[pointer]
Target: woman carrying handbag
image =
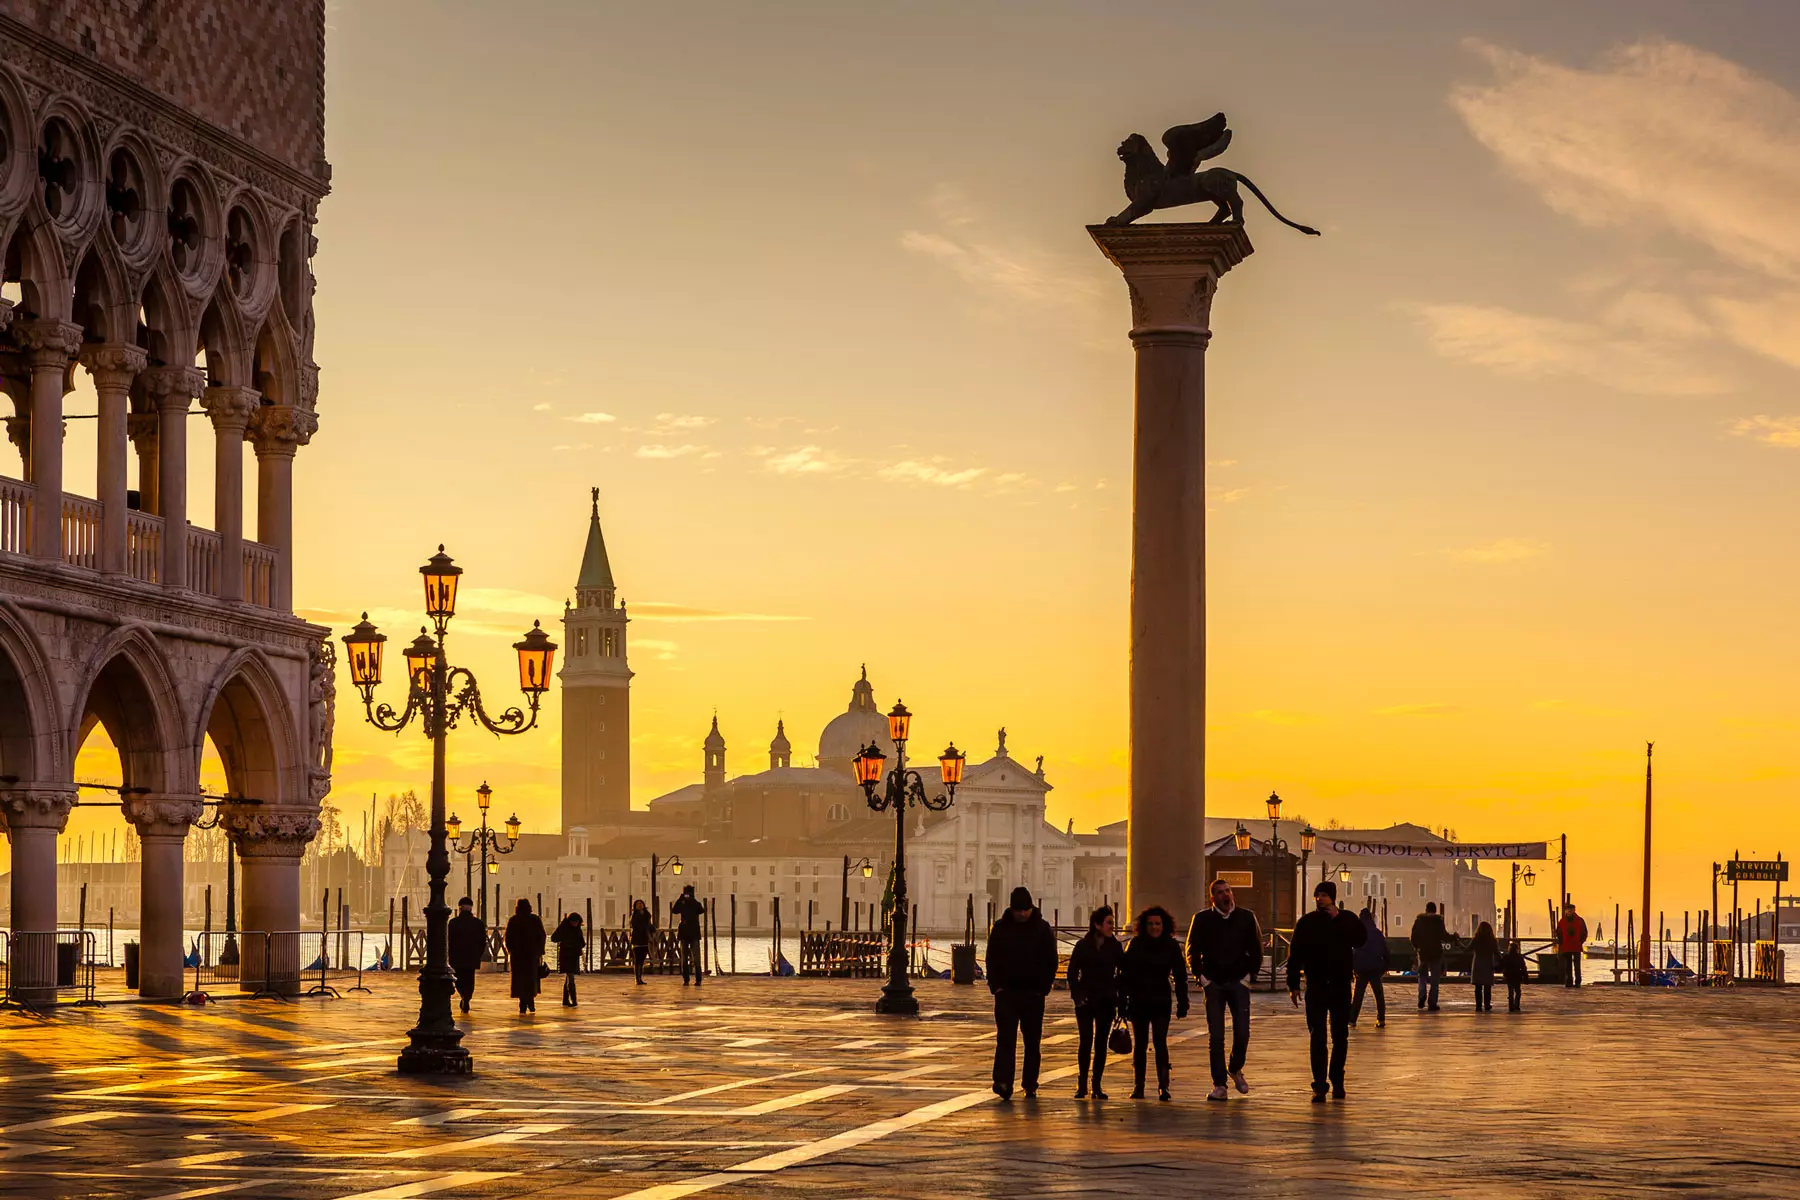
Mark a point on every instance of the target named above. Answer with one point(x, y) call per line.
point(525, 955)
point(1094, 967)
point(569, 945)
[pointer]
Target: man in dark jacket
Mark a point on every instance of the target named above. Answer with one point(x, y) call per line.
point(688, 911)
point(1224, 944)
point(468, 941)
point(1021, 966)
point(1371, 966)
point(1428, 939)
point(1324, 951)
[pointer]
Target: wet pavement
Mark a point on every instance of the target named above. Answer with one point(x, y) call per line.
point(757, 1087)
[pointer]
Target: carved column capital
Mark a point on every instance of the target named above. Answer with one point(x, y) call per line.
point(113, 364)
point(162, 814)
point(36, 806)
point(18, 432)
point(173, 387)
point(230, 407)
point(1172, 271)
point(281, 429)
point(266, 832)
point(6, 314)
point(49, 343)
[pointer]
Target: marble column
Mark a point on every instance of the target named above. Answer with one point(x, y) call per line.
point(230, 409)
point(269, 843)
point(35, 815)
point(162, 824)
point(277, 430)
point(142, 428)
point(171, 389)
point(113, 368)
point(1171, 272)
point(48, 345)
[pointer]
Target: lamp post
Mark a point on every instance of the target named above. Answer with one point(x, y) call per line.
point(904, 789)
point(1309, 837)
point(1277, 847)
point(483, 839)
point(1512, 912)
point(673, 866)
point(434, 695)
point(868, 869)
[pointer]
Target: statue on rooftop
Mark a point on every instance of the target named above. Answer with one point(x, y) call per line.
point(1150, 184)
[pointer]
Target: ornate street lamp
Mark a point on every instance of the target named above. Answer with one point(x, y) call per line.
point(484, 840)
point(1512, 912)
point(1277, 847)
point(673, 866)
point(1309, 837)
point(904, 789)
point(868, 870)
point(435, 696)
point(1242, 838)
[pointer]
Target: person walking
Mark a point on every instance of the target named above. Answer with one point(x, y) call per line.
point(1571, 941)
point(1428, 940)
point(1155, 978)
point(1224, 946)
point(1485, 951)
point(640, 938)
point(1370, 963)
point(1094, 967)
point(1021, 968)
point(467, 943)
point(525, 955)
point(1323, 952)
point(687, 911)
point(1512, 969)
point(569, 945)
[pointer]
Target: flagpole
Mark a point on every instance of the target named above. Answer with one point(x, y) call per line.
point(1644, 927)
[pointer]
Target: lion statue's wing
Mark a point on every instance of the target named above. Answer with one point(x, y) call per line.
point(1191, 145)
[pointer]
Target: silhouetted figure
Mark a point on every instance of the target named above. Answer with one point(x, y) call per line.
point(1486, 953)
point(1021, 967)
point(1155, 978)
point(1094, 968)
point(1224, 946)
point(1512, 969)
point(688, 910)
point(1571, 940)
point(467, 942)
point(1324, 952)
point(525, 955)
point(640, 938)
point(1371, 963)
point(1428, 939)
point(570, 942)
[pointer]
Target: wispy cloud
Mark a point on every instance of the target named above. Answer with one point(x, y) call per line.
point(932, 472)
point(545, 407)
point(1520, 344)
point(1500, 550)
point(592, 418)
point(1771, 431)
point(658, 450)
point(999, 264)
point(805, 460)
point(680, 421)
point(1418, 710)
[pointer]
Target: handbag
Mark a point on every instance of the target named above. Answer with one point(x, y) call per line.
point(543, 969)
point(1119, 1040)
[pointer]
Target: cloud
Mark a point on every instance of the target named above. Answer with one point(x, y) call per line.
point(1418, 710)
point(653, 610)
point(545, 407)
point(914, 471)
point(1527, 346)
point(1500, 550)
point(677, 421)
point(656, 450)
point(1000, 264)
point(1769, 325)
point(805, 460)
point(592, 418)
point(1770, 431)
point(572, 446)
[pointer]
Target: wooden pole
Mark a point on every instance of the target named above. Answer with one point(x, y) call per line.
point(1644, 944)
point(734, 933)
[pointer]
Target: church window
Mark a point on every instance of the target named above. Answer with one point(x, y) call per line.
point(581, 641)
point(602, 756)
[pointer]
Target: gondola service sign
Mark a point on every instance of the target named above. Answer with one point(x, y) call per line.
point(1435, 851)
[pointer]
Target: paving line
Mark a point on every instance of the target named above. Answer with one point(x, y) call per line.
point(749, 1041)
point(26, 1148)
point(59, 1122)
point(215, 1190)
point(280, 1110)
point(455, 1114)
point(421, 1187)
point(793, 1101)
point(147, 1085)
point(516, 1134)
point(847, 1140)
point(343, 1062)
point(199, 1160)
point(899, 1076)
point(726, 1087)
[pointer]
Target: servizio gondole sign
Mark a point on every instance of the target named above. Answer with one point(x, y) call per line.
point(1435, 851)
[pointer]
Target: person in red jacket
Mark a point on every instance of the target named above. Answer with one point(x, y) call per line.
point(1571, 937)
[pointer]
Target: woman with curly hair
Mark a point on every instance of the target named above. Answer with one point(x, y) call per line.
point(1155, 980)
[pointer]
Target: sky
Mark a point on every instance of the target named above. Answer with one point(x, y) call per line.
point(1501, 468)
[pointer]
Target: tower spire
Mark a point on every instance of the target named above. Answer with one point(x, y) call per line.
point(596, 570)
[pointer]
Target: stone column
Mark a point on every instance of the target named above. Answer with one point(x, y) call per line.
point(230, 409)
point(1172, 272)
point(142, 428)
point(35, 815)
point(277, 430)
point(269, 843)
point(171, 389)
point(162, 824)
point(113, 368)
point(49, 346)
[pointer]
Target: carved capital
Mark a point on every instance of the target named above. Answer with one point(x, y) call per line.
point(264, 832)
point(230, 407)
point(18, 432)
point(6, 314)
point(143, 427)
point(173, 387)
point(114, 364)
point(34, 806)
point(50, 344)
point(1172, 271)
point(281, 428)
point(162, 814)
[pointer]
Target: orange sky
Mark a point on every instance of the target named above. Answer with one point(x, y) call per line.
point(1503, 465)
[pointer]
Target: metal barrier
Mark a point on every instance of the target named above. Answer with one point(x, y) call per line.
point(350, 948)
point(40, 966)
point(855, 955)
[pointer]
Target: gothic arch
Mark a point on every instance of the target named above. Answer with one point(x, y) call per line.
point(28, 724)
point(166, 330)
point(126, 686)
point(99, 305)
point(274, 372)
point(34, 259)
point(226, 345)
point(247, 715)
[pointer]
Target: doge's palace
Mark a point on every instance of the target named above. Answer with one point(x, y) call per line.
point(160, 169)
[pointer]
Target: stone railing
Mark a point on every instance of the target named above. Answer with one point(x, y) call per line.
point(15, 516)
point(143, 546)
point(81, 532)
point(203, 561)
point(259, 573)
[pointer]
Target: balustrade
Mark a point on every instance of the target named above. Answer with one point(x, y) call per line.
point(203, 561)
point(81, 531)
point(143, 546)
point(15, 516)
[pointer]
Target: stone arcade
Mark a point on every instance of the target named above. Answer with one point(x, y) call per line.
point(158, 184)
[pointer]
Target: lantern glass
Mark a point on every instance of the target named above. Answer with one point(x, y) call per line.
point(493, 868)
point(453, 827)
point(537, 654)
point(1274, 807)
point(675, 865)
point(1343, 874)
point(868, 868)
point(484, 796)
point(440, 586)
point(363, 647)
point(512, 828)
point(868, 766)
point(420, 656)
point(1242, 837)
point(950, 762)
point(1309, 837)
point(899, 723)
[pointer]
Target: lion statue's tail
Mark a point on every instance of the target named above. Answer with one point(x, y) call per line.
point(1273, 211)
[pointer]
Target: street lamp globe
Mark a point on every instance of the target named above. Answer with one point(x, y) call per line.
point(440, 586)
point(537, 653)
point(675, 865)
point(1242, 837)
point(363, 648)
point(899, 723)
point(1344, 874)
point(868, 868)
point(419, 657)
point(1274, 807)
point(1530, 877)
point(484, 795)
point(1309, 837)
point(512, 828)
point(950, 763)
point(868, 767)
point(453, 827)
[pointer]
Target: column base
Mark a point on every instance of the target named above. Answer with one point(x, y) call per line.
point(432, 1054)
point(898, 1001)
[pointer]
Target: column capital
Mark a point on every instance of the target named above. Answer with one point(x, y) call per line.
point(173, 387)
point(114, 363)
point(1172, 270)
point(281, 429)
point(37, 806)
point(141, 425)
point(18, 432)
point(230, 406)
point(51, 343)
point(268, 832)
point(162, 813)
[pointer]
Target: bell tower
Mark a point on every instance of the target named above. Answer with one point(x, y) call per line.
point(596, 692)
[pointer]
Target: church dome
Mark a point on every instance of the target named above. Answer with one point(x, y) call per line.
point(846, 734)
